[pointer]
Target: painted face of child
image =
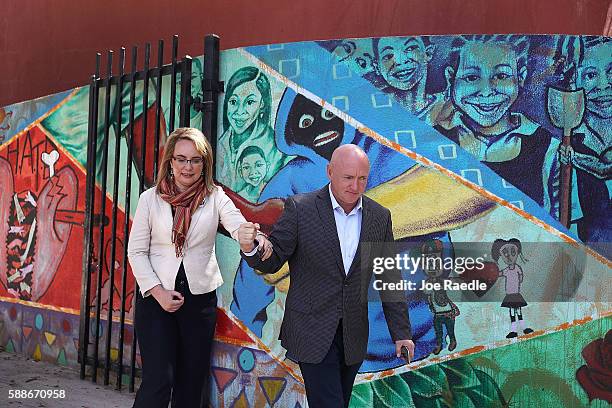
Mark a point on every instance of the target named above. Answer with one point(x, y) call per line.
point(244, 106)
point(486, 83)
point(357, 54)
point(509, 253)
point(402, 61)
point(253, 169)
point(595, 76)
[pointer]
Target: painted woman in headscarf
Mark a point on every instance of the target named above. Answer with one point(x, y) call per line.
point(588, 65)
point(246, 122)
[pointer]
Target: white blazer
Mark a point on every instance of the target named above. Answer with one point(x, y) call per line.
point(151, 252)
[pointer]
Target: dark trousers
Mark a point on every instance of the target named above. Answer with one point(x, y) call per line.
point(175, 350)
point(329, 383)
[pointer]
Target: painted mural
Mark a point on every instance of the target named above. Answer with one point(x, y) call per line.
point(501, 142)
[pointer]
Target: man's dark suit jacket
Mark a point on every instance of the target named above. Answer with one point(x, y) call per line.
point(320, 293)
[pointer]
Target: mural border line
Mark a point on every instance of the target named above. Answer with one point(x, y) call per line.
point(43, 116)
point(362, 378)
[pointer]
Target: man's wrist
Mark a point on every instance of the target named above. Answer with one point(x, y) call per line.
point(252, 251)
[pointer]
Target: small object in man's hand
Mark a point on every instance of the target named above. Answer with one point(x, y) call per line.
point(405, 353)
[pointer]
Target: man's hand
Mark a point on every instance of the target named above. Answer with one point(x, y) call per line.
point(265, 247)
point(246, 236)
point(409, 344)
point(169, 300)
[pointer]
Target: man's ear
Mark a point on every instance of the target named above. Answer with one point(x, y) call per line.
point(429, 52)
point(522, 75)
point(329, 171)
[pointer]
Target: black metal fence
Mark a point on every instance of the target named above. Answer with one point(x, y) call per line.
point(138, 95)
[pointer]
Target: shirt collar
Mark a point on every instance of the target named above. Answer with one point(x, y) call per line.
point(336, 205)
point(526, 127)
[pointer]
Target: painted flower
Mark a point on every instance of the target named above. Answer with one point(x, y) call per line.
point(595, 376)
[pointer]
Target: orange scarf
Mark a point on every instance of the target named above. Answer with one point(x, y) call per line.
point(185, 204)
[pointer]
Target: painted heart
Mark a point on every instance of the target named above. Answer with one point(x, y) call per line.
point(488, 275)
point(60, 193)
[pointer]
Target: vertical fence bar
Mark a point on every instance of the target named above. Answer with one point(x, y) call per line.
point(141, 188)
point(126, 223)
point(158, 106)
point(211, 90)
point(185, 102)
point(173, 81)
point(145, 104)
point(92, 136)
point(113, 234)
point(101, 248)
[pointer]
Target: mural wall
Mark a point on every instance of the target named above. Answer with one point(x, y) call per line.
point(465, 140)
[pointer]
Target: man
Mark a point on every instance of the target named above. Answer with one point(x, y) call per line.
point(324, 236)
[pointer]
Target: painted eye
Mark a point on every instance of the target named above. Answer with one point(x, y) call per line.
point(306, 121)
point(387, 57)
point(327, 115)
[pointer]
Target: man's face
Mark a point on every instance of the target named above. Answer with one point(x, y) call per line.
point(348, 177)
point(402, 61)
point(595, 76)
point(486, 83)
point(253, 169)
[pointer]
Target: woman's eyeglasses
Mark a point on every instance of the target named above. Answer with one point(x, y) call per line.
point(195, 161)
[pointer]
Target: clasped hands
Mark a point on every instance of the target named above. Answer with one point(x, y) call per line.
point(247, 233)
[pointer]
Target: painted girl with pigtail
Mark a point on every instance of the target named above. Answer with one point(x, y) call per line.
point(510, 250)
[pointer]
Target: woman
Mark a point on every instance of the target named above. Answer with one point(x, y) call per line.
point(171, 252)
point(246, 118)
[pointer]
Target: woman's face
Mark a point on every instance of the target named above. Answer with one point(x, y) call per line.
point(486, 83)
point(595, 76)
point(186, 174)
point(253, 169)
point(244, 106)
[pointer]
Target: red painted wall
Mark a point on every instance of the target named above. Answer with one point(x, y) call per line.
point(50, 46)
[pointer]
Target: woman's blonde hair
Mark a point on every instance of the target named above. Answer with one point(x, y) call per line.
point(202, 146)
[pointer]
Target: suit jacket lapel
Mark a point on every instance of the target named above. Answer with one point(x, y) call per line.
point(196, 216)
point(166, 212)
point(326, 213)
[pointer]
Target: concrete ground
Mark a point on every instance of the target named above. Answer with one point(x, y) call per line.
point(20, 373)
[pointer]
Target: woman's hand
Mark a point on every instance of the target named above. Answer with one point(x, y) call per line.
point(169, 300)
point(265, 247)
